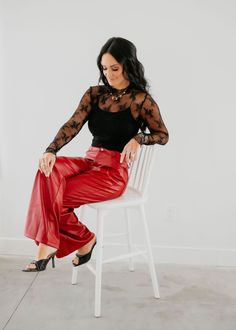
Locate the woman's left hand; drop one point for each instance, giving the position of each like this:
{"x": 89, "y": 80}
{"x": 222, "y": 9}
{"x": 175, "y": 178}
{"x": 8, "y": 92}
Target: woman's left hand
{"x": 130, "y": 151}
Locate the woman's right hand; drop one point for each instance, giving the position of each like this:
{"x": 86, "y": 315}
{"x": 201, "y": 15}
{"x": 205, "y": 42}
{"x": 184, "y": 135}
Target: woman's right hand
{"x": 46, "y": 163}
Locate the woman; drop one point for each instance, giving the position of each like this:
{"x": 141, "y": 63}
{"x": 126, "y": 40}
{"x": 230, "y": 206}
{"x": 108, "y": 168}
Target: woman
{"x": 115, "y": 112}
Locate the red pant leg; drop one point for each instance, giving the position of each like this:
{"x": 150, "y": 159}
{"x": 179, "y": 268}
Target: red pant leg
{"x": 43, "y": 218}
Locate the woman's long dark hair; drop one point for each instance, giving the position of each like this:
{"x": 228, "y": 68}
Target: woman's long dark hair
{"x": 125, "y": 53}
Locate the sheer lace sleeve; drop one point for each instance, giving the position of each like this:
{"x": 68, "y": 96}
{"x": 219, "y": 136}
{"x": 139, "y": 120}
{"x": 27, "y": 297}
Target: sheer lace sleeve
{"x": 151, "y": 117}
{"x": 72, "y": 127}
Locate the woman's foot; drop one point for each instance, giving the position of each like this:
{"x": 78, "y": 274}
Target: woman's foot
{"x": 84, "y": 250}
{"x": 43, "y": 252}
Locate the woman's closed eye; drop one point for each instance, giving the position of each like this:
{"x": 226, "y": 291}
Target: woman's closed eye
{"x": 104, "y": 69}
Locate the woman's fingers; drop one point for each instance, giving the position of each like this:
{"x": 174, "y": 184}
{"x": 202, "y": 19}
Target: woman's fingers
{"x": 46, "y": 163}
{"x": 130, "y": 151}
{"x": 127, "y": 157}
{"x": 44, "y": 166}
{"x": 51, "y": 164}
{"x": 122, "y": 155}
{"x": 131, "y": 156}
{"x": 126, "y": 154}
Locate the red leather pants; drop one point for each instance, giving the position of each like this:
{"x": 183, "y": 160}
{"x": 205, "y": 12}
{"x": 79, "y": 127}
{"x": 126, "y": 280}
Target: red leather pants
{"x": 74, "y": 181}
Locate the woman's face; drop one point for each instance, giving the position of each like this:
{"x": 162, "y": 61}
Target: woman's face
{"x": 113, "y": 71}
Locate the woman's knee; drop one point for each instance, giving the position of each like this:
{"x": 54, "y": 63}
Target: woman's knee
{"x": 69, "y": 166}
{"x": 59, "y": 163}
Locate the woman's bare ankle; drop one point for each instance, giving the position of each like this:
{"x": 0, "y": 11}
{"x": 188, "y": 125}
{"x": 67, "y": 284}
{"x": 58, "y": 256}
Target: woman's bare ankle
{"x": 87, "y": 247}
{"x": 43, "y": 251}
{"x": 84, "y": 250}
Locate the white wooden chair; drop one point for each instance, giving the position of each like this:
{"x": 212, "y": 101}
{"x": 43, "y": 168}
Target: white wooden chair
{"x": 135, "y": 195}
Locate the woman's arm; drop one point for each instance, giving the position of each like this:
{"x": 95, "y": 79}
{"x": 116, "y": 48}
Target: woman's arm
{"x": 72, "y": 127}
{"x": 66, "y": 133}
{"x": 151, "y": 116}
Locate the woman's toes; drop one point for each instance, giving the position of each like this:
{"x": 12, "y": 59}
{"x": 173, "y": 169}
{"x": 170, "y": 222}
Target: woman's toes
{"x": 75, "y": 261}
{"x": 30, "y": 266}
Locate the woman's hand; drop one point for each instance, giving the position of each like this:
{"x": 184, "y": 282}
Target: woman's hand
{"x": 130, "y": 151}
{"x": 46, "y": 163}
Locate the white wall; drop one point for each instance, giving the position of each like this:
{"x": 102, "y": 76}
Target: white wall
{"x": 188, "y": 50}
{"x": 2, "y": 107}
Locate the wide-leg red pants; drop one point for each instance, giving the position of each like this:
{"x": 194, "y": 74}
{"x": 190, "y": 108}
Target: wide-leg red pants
{"x": 74, "y": 181}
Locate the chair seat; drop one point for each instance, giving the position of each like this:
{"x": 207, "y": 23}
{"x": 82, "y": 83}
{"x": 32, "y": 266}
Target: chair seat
{"x": 130, "y": 197}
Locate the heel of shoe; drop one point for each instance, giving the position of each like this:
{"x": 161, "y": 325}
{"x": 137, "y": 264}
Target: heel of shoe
{"x": 53, "y": 262}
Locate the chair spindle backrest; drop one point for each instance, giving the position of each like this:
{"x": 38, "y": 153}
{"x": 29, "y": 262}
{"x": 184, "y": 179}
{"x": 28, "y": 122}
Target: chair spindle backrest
{"x": 140, "y": 170}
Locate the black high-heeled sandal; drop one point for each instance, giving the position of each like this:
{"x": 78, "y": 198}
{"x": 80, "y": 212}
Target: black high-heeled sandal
{"x": 84, "y": 258}
{"x": 41, "y": 265}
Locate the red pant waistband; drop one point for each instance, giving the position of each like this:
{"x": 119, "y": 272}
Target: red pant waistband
{"x": 105, "y": 157}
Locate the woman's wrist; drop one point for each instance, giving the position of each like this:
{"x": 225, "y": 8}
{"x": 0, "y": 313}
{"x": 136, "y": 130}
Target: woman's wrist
{"x": 51, "y": 151}
{"x": 139, "y": 138}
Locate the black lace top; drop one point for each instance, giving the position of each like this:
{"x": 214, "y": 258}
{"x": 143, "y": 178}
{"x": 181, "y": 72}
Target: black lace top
{"x": 114, "y": 122}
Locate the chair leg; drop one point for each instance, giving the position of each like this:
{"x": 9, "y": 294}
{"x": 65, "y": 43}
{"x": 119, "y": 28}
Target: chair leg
{"x": 150, "y": 256}
{"x": 131, "y": 263}
{"x": 74, "y": 279}
{"x": 99, "y": 255}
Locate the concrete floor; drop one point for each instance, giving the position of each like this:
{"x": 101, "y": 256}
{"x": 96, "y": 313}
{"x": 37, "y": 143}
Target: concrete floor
{"x": 192, "y": 298}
